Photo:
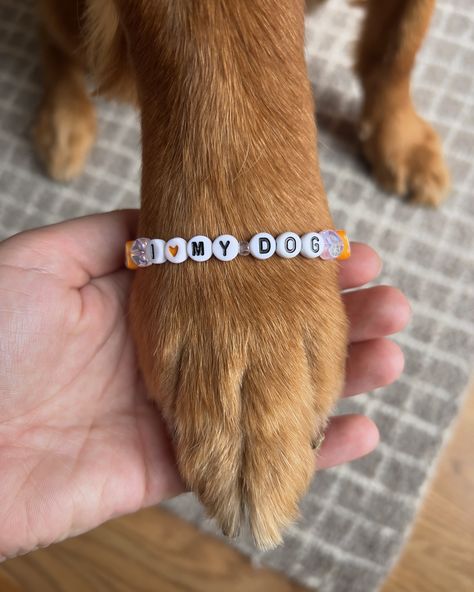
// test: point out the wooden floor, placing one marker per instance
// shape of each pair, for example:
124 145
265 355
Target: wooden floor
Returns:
151 550
439 556
154 551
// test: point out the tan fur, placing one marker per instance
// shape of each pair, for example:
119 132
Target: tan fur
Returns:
105 47
245 359
66 126
404 150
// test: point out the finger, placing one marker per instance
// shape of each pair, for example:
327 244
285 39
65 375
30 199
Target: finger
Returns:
95 244
372 364
376 312
348 437
363 266
76 250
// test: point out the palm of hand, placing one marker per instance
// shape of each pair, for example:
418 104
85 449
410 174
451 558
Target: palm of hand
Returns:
79 442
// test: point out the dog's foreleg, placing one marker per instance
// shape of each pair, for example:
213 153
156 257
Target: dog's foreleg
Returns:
403 149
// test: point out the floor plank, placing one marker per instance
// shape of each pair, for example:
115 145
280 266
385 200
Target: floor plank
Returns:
151 550
7 584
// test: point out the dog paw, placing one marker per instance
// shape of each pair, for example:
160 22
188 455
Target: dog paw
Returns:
64 133
246 360
406 156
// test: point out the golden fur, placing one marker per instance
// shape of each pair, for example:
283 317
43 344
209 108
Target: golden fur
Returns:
245 359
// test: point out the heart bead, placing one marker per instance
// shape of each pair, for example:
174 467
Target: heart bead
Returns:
175 250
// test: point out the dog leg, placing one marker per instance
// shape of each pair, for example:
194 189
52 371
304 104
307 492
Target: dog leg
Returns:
65 127
245 357
404 150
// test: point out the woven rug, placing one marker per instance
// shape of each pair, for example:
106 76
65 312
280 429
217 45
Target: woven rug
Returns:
356 517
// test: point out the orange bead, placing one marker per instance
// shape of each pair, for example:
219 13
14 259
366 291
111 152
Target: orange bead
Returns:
346 252
129 264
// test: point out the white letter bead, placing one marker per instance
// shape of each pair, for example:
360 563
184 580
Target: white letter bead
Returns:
175 250
288 245
262 245
225 247
157 250
312 245
199 248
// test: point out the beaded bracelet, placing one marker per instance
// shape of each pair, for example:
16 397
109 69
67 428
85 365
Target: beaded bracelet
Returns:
326 244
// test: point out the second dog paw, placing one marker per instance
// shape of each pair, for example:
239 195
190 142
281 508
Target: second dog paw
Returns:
64 133
406 156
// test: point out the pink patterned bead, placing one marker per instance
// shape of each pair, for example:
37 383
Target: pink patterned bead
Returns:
333 244
140 253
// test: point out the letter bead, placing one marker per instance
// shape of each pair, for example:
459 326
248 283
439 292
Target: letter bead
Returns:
199 248
288 245
312 245
225 247
262 245
175 250
157 246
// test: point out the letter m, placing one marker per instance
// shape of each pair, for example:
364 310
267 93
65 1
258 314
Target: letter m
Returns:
198 249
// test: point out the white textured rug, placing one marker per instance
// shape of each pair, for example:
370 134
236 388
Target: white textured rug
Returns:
356 517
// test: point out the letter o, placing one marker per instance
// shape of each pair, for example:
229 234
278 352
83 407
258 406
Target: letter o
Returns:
288 245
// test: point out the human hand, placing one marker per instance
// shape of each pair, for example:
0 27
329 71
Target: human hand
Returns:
79 442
